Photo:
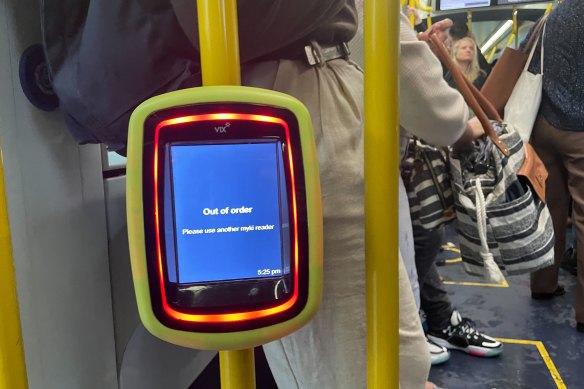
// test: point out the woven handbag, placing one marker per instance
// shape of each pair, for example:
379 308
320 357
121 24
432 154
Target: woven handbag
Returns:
499 188
427 181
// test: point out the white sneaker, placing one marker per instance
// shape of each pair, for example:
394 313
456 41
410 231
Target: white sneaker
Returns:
438 354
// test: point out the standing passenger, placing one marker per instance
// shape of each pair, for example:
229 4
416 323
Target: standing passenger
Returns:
558 138
464 54
330 351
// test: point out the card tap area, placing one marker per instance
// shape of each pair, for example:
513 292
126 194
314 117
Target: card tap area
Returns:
224 216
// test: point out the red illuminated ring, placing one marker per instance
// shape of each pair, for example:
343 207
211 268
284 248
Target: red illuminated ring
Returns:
226 317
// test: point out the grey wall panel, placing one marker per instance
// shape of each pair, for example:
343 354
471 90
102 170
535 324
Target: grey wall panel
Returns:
126 318
57 216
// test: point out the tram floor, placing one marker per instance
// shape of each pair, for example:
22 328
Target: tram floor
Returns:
542 348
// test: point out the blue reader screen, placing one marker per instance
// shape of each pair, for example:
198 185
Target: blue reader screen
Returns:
230 212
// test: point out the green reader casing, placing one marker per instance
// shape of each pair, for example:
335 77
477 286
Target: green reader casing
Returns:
217 314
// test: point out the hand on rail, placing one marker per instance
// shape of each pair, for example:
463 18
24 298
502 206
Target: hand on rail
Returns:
474 130
440 29
417 19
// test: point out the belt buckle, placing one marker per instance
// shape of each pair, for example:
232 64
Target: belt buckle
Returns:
311 55
316 55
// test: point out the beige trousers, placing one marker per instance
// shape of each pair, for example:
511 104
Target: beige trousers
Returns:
562 153
330 351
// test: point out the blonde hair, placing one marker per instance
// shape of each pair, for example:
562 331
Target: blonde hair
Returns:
473 71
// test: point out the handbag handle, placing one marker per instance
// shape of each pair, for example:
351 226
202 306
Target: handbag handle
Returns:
536 33
482 108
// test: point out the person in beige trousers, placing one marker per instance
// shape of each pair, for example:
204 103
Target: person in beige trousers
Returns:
330 351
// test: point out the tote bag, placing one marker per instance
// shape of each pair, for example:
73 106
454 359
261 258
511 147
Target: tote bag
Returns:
523 104
504 75
499 187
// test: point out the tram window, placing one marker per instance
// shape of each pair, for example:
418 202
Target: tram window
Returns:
511 2
449 5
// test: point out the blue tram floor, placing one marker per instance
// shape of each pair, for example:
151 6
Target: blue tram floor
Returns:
531 328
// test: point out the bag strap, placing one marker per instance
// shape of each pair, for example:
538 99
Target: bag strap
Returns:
441 190
533 47
482 108
542 46
536 33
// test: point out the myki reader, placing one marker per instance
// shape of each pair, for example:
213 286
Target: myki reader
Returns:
224 216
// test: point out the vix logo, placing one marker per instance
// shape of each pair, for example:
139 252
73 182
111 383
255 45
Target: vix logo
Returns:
222 129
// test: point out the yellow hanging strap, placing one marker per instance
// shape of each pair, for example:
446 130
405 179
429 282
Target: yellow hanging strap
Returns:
12 365
219 41
381 29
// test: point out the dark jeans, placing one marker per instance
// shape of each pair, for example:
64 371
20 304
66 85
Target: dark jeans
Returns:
433 297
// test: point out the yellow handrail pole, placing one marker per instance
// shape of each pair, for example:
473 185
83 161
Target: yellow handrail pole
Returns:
469 22
219 42
237 369
492 54
423 7
515 26
511 39
12 364
429 21
381 29
548 8
412 4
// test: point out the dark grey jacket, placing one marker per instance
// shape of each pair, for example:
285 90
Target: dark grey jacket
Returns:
266 26
562 102
106 57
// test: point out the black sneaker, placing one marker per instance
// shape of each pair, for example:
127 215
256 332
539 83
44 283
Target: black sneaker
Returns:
461 335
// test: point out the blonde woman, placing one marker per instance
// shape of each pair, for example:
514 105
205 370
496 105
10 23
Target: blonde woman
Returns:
464 53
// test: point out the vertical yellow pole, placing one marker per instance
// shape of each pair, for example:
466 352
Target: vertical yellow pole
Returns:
12 365
515 29
219 42
412 5
237 369
469 22
381 30
492 54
